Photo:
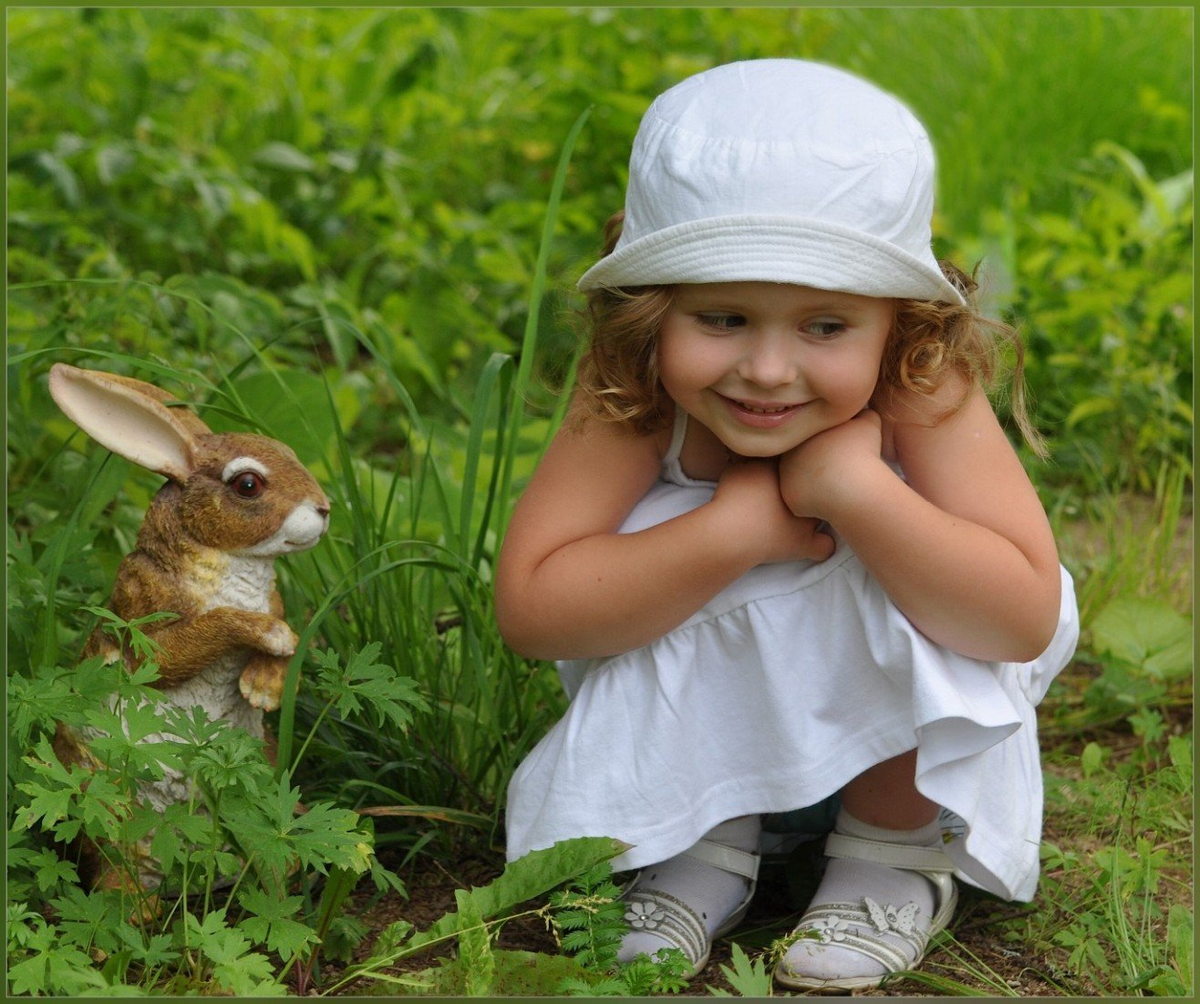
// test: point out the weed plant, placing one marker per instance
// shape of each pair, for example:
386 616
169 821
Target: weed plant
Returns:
226 852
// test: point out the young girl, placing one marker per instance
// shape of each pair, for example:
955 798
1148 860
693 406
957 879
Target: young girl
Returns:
782 543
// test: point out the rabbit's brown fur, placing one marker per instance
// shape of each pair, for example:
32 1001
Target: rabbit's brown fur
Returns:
205 552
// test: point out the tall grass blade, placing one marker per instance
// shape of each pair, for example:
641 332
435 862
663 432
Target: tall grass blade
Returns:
498 370
529 342
107 477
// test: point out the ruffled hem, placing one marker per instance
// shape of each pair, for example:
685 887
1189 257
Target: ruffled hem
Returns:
775 695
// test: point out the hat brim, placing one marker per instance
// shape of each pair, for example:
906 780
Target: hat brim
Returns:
803 252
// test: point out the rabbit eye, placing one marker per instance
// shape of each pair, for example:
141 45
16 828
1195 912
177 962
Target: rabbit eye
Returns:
248 484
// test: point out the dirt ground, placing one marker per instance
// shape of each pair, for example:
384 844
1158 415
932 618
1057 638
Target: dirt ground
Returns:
773 913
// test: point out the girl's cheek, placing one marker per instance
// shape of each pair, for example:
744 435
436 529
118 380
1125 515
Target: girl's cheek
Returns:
845 378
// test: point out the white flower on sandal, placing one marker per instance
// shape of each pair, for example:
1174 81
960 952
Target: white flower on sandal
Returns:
888 918
833 929
644 916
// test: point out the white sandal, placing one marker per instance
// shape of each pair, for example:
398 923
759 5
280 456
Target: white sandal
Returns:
672 919
852 926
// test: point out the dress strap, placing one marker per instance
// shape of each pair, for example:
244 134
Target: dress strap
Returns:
677 436
672 469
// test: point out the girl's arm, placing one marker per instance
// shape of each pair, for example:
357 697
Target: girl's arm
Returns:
963 548
569 586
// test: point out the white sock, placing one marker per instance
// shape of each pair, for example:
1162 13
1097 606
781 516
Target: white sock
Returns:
712 893
847 881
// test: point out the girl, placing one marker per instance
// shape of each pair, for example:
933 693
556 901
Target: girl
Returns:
783 544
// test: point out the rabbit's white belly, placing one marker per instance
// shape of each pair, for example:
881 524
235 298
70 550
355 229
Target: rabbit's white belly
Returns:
245 584
216 691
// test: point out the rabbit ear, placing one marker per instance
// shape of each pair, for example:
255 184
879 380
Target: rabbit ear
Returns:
130 418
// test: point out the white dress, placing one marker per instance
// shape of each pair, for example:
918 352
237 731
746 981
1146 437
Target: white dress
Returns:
788 684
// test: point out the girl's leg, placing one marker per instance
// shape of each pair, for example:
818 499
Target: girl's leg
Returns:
881 804
885 795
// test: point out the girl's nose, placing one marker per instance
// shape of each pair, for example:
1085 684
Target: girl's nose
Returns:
770 361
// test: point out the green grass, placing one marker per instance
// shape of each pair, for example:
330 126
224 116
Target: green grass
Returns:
162 141
356 230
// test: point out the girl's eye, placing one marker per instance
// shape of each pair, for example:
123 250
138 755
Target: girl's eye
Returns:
825 329
721 321
248 484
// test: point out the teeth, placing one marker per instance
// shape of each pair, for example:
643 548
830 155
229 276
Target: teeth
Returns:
767 411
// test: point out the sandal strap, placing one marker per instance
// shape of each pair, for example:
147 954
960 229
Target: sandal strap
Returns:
671 919
833 920
932 862
729 859
903 856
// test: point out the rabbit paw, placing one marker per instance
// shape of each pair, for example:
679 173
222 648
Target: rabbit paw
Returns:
261 682
279 639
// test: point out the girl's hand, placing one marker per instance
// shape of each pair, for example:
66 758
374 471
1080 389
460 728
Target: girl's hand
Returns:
750 489
961 543
821 471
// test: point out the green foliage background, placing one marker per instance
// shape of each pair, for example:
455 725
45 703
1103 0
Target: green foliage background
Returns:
325 224
300 168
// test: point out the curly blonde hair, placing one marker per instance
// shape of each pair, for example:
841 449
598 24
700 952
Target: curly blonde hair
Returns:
929 341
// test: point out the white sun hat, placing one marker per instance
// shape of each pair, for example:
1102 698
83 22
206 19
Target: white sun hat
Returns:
779 170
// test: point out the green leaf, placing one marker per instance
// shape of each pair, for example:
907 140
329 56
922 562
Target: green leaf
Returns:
47 805
284 157
1090 409
292 408
52 870
40 701
366 684
112 161
605 986
516 974
591 913
528 877
229 759
269 830
272 922
1168 984
338 886
327 835
664 973
1180 751
748 978
95 919
1181 939
1147 634
63 177
61 798
474 947
151 950
53 968
1091 758
235 968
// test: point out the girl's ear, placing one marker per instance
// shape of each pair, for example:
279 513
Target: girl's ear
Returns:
130 418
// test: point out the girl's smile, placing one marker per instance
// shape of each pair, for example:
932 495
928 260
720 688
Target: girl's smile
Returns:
765 366
761 414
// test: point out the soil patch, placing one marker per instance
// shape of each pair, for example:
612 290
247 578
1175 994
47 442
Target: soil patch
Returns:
773 914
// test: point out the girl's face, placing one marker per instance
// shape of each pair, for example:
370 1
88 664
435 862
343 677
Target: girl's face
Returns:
765 366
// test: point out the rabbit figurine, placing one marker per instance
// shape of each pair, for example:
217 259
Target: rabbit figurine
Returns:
232 503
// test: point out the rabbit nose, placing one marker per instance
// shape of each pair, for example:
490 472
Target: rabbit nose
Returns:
323 509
